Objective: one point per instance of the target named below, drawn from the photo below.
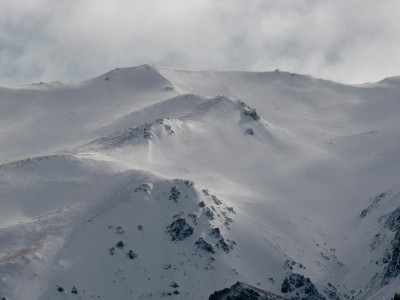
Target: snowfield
(146, 182)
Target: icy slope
(208, 177)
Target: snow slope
(208, 177)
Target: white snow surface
(80, 159)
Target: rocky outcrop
(129, 135)
(298, 287)
(392, 269)
(174, 194)
(242, 291)
(179, 230)
(201, 243)
(374, 203)
(248, 111)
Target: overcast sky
(349, 41)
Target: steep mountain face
(149, 183)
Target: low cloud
(347, 41)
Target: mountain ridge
(236, 176)
(159, 68)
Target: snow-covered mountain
(147, 182)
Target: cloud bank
(350, 41)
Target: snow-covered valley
(147, 182)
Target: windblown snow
(146, 182)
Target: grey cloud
(348, 41)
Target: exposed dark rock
(216, 200)
(228, 220)
(271, 279)
(215, 232)
(124, 137)
(202, 204)
(174, 285)
(204, 245)
(226, 245)
(179, 229)
(393, 220)
(120, 244)
(331, 292)
(242, 291)
(285, 288)
(169, 129)
(167, 267)
(374, 204)
(206, 192)
(209, 213)
(392, 269)
(299, 287)
(132, 255)
(144, 187)
(194, 217)
(140, 227)
(392, 254)
(174, 193)
(74, 290)
(249, 131)
(60, 289)
(188, 183)
(230, 209)
(289, 264)
(119, 230)
(111, 250)
(248, 111)
(147, 132)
